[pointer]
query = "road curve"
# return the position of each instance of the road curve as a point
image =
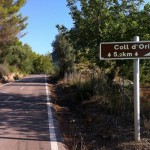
(26, 116)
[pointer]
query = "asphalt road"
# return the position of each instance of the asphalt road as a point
(26, 116)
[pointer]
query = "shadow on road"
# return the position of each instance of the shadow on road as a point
(24, 117)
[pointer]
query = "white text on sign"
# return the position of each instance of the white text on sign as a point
(134, 47)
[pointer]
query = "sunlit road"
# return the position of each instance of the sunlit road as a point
(26, 120)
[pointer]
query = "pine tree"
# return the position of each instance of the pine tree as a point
(11, 22)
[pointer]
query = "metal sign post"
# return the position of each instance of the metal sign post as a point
(136, 96)
(129, 50)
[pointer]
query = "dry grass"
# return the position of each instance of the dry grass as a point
(90, 125)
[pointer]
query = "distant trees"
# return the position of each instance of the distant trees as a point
(23, 58)
(20, 56)
(43, 64)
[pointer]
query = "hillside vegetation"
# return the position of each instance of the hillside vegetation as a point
(95, 22)
(95, 96)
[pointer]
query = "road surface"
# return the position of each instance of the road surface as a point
(26, 116)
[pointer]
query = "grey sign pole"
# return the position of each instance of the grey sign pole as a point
(136, 96)
(129, 50)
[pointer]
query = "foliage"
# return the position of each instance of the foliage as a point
(9, 17)
(43, 64)
(21, 57)
(16, 56)
(65, 53)
(103, 21)
(145, 72)
(95, 84)
(11, 25)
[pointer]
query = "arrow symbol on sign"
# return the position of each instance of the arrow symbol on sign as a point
(148, 54)
(136, 54)
(109, 55)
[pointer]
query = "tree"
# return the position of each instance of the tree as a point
(43, 64)
(22, 58)
(16, 56)
(65, 53)
(11, 23)
(27, 63)
(106, 20)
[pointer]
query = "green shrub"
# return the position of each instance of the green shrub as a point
(145, 79)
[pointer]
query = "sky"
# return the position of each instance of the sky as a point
(43, 16)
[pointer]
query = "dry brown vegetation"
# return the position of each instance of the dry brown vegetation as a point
(90, 125)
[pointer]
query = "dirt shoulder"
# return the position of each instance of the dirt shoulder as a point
(87, 125)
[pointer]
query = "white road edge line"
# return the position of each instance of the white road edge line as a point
(52, 132)
(4, 84)
(22, 88)
(8, 99)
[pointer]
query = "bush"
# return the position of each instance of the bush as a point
(145, 80)
(3, 70)
(55, 72)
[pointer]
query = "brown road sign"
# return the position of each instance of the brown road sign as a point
(125, 50)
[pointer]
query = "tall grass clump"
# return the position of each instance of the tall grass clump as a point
(95, 84)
